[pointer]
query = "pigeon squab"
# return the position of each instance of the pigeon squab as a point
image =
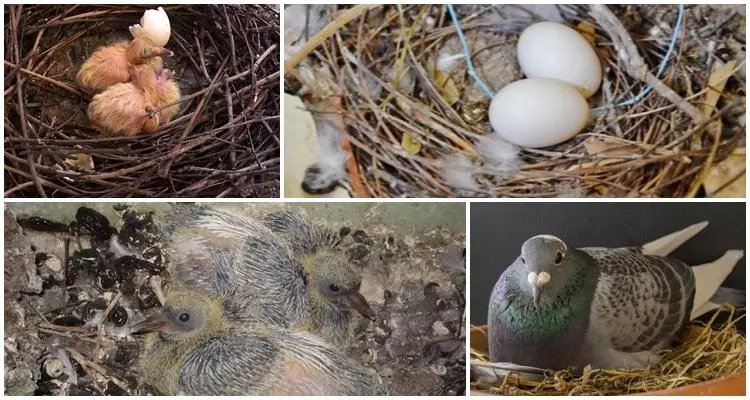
(193, 350)
(315, 289)
(131, 108)
(557, 307)
(111, 65)
(316, 247)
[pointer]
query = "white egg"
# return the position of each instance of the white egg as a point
(538, 112)
(553, 50)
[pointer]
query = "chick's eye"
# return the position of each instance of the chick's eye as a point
(333, 287)
(558, 258)
(144, 52)
(184, 317)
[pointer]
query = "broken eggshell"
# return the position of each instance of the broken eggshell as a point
(155, 26)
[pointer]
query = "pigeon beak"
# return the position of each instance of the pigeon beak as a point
(359, 303)
(155, 323)
(536, 291)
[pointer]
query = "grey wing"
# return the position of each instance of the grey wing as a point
(304, 236)
(230, 365)
(640, 301)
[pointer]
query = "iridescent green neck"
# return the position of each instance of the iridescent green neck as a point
(553, 318)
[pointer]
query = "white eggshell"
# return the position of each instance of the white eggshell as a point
(538, 112)
(553, 50)
(154, 25)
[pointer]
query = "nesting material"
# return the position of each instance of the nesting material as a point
(703, 354)
(400, 134)
(223, 141)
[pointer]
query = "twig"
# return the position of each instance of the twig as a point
(634, 63)
(327, 32)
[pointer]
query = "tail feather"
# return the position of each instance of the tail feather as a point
(708, 279)
(735, 297)
(667, 244)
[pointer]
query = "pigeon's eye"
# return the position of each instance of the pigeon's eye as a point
(184, 317)
(558, 257)
(333, 287)
(523, 261)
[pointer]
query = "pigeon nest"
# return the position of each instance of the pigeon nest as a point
(704, 352)
(71, 296)
(413, 130)
(223, 142)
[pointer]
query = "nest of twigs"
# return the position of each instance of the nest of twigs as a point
(703, 354)
(653, 148)
(224, 142)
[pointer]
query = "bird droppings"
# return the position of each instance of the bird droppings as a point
(413, 294)
(74, 274)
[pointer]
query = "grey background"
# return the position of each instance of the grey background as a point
(499, 229)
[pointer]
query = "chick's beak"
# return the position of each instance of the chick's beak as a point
(359, 303)
(155, 323)
(161, 51)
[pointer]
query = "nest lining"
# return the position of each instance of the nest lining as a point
(653, 149)
(224, 142)
(703, 354)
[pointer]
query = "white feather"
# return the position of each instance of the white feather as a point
(119, 250)
(331, 158)
(68, 368)
(498, 153)
(456, 170)
(667, 244)
(708, 279)
(446, 62)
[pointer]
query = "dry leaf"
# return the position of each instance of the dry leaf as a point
(410, 144)
(727, 178)
(588, 31)
(80, 161)
(447, 87)
(716, 83)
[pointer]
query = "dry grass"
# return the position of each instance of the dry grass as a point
(703, 354)
(652, 148)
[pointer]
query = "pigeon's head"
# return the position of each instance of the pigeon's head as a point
(545, 266)
(335, 282)
(186, 314)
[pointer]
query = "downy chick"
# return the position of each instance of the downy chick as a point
(194, 350)
(314, 291)
(316, 248)
(130, 108)
(111, 65)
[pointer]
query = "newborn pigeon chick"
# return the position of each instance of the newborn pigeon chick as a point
(557, 307)
(128, 109)
(111, 65)
(314, 292)
(193, 350)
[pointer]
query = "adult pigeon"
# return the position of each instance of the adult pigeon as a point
(557, 307)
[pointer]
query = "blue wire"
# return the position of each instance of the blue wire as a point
(467, 55)
(646, 90)
(663, 65)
